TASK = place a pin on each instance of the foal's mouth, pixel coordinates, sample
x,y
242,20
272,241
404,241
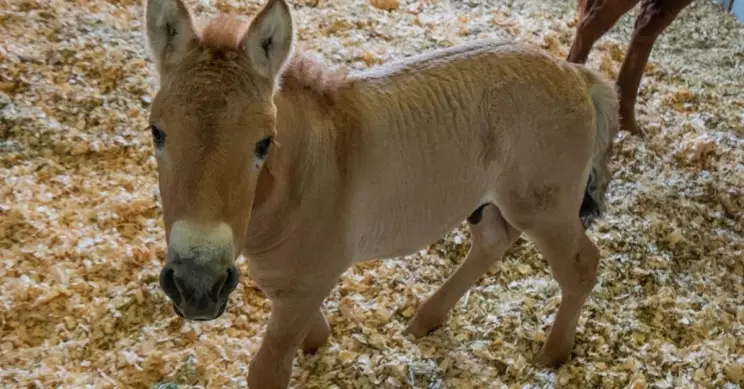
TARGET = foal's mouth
x,y
220,311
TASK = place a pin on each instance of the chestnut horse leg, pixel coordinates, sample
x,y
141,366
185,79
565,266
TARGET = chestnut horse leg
x,y
654,18
596,18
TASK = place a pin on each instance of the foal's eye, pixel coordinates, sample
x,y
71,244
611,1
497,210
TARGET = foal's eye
x,y
262,146
158,136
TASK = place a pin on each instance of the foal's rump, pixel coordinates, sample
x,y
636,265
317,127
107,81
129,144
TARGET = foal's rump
x,y
605,99
562,121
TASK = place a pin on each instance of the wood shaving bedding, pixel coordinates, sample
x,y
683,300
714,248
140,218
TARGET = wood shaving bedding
x,y
81,237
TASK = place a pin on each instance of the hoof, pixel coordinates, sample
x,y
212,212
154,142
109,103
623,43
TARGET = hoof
x,y
417,330
422,325
317,337
630,125
312,344
552,361
310,348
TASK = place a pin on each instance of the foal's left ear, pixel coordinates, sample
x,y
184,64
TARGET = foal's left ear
x,y
269,39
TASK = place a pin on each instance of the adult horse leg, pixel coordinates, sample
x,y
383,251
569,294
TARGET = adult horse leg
x,y
654,18
597,17
491,237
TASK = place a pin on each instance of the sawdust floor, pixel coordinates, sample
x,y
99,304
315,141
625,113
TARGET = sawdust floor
x,y
81,237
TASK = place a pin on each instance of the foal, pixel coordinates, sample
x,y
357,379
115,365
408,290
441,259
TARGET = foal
x,y
262,152
598,16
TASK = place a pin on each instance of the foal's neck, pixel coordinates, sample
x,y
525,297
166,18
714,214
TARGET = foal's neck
x,y
307,177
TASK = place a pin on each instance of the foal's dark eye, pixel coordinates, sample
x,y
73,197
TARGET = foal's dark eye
x,y
262,146
158,136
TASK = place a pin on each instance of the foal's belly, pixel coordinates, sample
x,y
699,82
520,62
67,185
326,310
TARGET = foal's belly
x,y
398,242
391,226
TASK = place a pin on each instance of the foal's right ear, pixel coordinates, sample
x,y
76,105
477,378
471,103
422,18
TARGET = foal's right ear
x,y
170,31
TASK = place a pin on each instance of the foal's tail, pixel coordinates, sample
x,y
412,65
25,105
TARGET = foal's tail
x,y
606,108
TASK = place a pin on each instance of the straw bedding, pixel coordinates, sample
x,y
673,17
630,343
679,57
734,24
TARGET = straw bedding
x,y
81,237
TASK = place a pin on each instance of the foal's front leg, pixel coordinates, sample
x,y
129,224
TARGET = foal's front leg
x,y
318,334
295,317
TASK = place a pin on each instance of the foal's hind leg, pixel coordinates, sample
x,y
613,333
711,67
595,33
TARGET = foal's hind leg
x,y
491,237
573,260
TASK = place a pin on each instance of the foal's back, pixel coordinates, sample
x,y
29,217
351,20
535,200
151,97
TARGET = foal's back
x,y
446,131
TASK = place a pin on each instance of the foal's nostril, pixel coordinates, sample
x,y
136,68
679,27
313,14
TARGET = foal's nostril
x,y
225,285
168,283
230,283
217,288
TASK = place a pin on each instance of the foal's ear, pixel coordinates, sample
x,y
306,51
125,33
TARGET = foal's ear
x,y
170,31
269,39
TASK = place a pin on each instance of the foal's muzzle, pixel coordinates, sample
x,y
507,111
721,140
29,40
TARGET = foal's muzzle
x,y
198,291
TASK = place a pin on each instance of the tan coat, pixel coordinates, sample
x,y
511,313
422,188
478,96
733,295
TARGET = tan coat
x,y
371,165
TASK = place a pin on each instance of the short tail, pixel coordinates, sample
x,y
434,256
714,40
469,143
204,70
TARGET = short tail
x,y
607,118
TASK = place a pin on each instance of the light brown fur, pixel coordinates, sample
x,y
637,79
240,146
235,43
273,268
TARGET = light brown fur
x,y
224,32
368,165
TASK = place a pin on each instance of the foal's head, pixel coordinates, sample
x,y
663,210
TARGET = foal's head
x,y
212,123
